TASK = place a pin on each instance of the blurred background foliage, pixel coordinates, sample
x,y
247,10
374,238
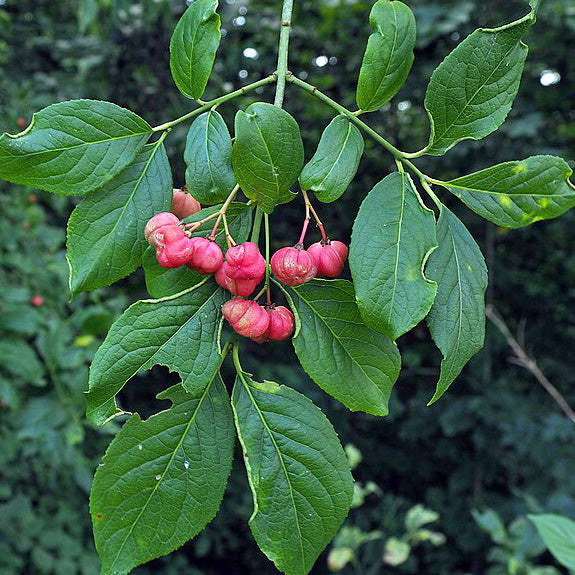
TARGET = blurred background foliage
x,y
492,450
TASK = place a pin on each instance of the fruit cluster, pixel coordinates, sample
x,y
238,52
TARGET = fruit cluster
x,y
243,267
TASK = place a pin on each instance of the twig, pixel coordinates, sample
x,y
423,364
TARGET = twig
x,y
521,358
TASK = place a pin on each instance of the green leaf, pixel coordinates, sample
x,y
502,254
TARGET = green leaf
x,y
297,470
393,235
396,551
389,54
208,156
516,194
193,47
73,147
334,165
162,480
490,521
106,230
348,360
267,155
457,318
163,282
180,332
558,534
472,90
418,516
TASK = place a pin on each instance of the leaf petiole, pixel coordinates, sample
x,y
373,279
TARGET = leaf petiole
x,y
427,187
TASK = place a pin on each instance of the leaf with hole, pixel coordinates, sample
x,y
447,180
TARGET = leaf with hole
x,y
389,54
193,47
457,318
393,235
297,470
73,147
335,163
162,480
180,332
353,363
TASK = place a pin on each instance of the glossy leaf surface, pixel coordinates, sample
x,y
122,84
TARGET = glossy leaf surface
x,y
193,47
180,332
389,54
393,235
516,194
73,147
335,163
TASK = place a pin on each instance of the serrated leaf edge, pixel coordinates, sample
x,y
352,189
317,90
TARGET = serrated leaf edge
x,y
246,385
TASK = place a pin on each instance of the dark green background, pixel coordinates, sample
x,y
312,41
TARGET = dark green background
x,y
495,440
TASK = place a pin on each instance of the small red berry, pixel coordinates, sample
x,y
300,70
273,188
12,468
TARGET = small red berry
x,y
174,249
281,326
154,227
21,122
245,262
246,317
329,258
242,288
207,257
37,301
293,266
184,204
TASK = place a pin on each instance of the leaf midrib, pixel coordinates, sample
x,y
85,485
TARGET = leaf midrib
x,y
338,340
398,243
135,188
274,175
151,358
52,150
437,138
510,194
282,463
460,290
168,464
391,55
340,154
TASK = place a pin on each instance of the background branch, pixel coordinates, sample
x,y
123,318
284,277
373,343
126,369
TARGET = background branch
x,y
521,358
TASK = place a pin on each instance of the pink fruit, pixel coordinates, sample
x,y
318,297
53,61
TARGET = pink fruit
x,y
207,257
154,227
184,204
293,266
246,317
281,326
245,262
329,258
175,248
242,288
37,301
